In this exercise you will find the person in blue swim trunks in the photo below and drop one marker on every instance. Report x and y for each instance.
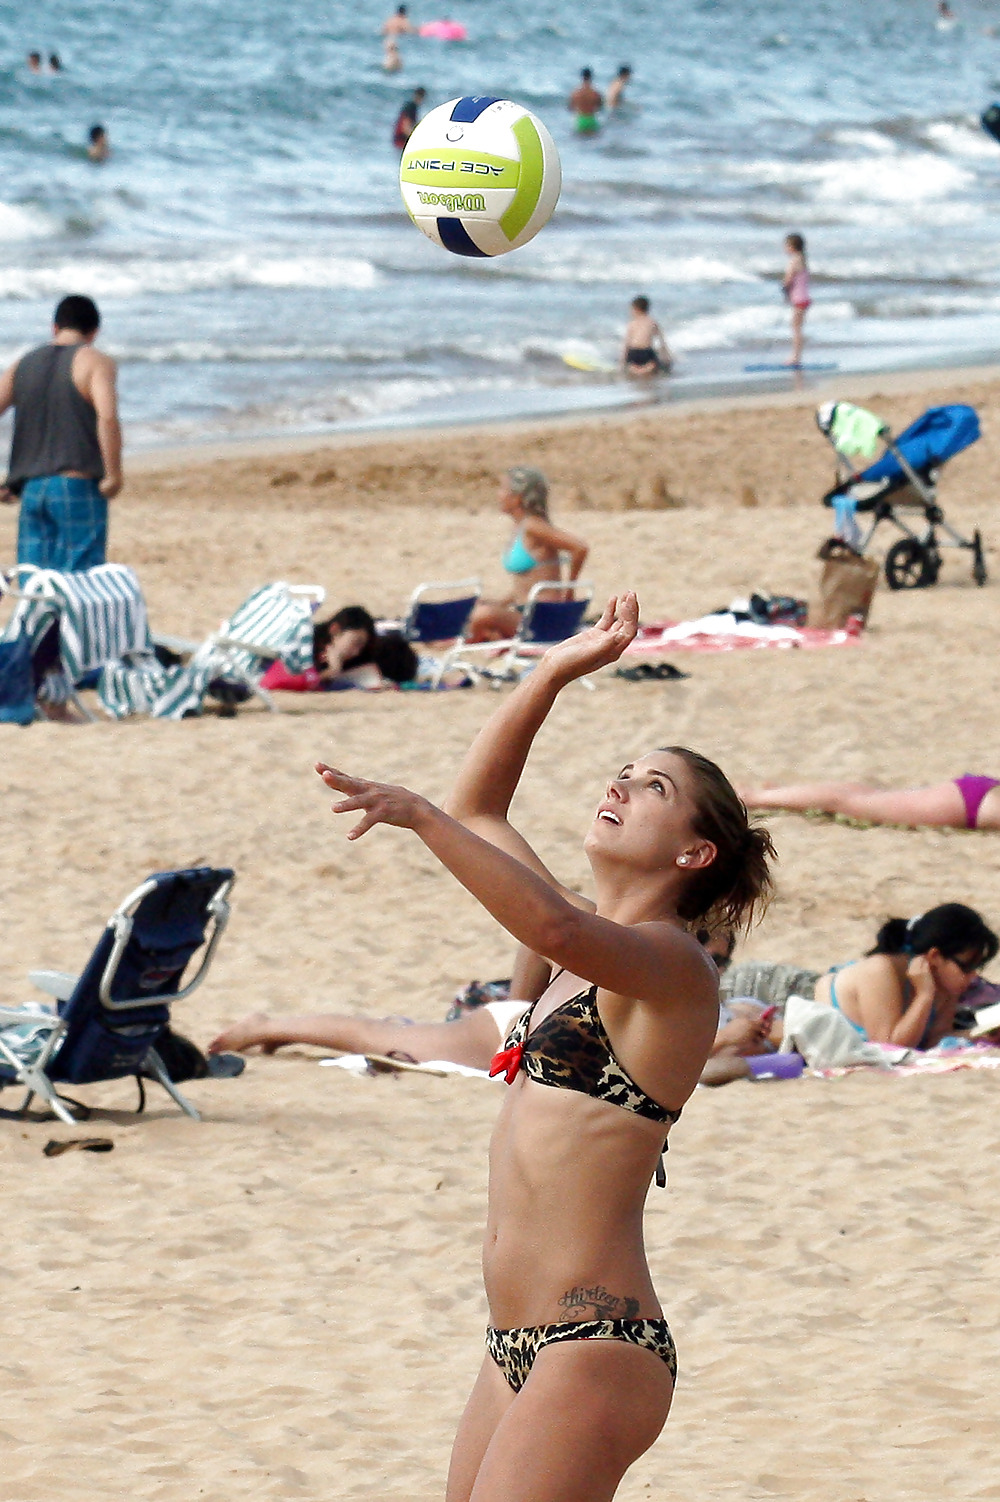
(535, 553)
(906, 990)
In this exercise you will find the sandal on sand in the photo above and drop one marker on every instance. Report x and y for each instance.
(54, 1149)
(645, 672)
(225, 1066)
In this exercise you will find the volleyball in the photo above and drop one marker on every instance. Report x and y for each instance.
(480, 176)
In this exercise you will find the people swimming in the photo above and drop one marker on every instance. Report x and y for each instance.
(644, 349)
(586, 102)
(796, 289)
(616, 88)
(398, 24)
(99, 148)
(406, 120)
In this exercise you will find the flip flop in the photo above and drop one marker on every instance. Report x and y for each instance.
(647, 672)
(225, 1066)
(55, 1149)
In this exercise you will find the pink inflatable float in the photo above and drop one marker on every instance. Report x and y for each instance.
(445, 31)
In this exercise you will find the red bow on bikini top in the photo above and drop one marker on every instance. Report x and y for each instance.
(507, 1062)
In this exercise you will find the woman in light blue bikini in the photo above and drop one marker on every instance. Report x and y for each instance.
(905, 990)
(533, 554)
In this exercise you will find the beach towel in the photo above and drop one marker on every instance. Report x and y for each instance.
(723, 632)
(825, 1038)
(100, 611)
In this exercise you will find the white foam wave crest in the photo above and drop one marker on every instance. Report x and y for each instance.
(961, 139)
(895, 177)
(19, 223)
(133, 278)
(612, 263)
(742, 326)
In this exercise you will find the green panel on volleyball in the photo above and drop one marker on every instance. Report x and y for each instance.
(471, 171)
(529, 188)
(480, 176)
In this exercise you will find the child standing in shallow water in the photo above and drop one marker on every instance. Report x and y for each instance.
(795, 286)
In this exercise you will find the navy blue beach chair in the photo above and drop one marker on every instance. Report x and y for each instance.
(553, 612)
(110, 1018)
(439, 613)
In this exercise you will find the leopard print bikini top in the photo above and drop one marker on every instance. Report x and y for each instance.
(570, 1050)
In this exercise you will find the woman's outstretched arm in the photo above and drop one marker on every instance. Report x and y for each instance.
(491, 771)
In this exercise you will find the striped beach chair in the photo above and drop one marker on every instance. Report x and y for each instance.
(274, 623)
(86, 620)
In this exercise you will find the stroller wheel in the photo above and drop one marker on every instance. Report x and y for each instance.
(978, 561)
(910, 565)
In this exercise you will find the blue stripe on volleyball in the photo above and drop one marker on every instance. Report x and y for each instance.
(456, 238)
(471, 107)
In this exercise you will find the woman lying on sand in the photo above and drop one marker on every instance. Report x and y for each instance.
(967, 802)
(473, 1038)
(348, 653)
(533, 554)
(905, 991)
(580, 1368)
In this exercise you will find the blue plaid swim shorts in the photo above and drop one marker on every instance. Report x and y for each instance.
(63, 523)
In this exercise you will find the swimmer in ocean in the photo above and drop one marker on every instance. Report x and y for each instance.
(100, 147)
(616, 88)
(644, 350)
(392, 58)
(399, 25)
(585, 102)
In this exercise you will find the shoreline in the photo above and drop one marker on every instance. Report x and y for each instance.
(812, 392)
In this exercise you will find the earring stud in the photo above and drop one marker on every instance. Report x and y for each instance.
(682, 860)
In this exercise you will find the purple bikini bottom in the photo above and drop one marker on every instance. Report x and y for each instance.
(973, 790)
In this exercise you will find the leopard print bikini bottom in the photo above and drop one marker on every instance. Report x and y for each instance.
(514, 1351)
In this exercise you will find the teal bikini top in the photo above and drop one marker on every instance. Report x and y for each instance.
(517, 559)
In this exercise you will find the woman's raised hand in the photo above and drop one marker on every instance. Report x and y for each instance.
(380, 802)
(600, 644)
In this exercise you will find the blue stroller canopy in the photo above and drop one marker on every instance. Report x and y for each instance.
(941, 433)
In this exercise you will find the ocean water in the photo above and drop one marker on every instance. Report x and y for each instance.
(257, 274)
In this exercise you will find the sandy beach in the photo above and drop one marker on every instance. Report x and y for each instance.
(240, 1308)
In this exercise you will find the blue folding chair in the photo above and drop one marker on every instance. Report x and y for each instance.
(553, 611)
(110, 1018)
(430, 619)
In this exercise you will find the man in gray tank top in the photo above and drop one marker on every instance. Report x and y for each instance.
(66, 450)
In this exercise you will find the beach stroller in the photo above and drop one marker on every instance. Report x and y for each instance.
(111, 1017)
(900, 487)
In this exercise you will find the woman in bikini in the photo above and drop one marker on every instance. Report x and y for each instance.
(906, 990)
(967, 802)
(534, 553)
(580, 1363)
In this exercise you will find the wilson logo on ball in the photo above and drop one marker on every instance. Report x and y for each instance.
(509, 153)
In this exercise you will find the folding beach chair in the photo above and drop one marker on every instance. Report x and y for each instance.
(110, 1018)
(273, 623)
(440, 613)
(74, 625)
(553, 611)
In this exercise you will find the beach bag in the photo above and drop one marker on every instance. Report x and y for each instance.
(846, 585)
(17, 683)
